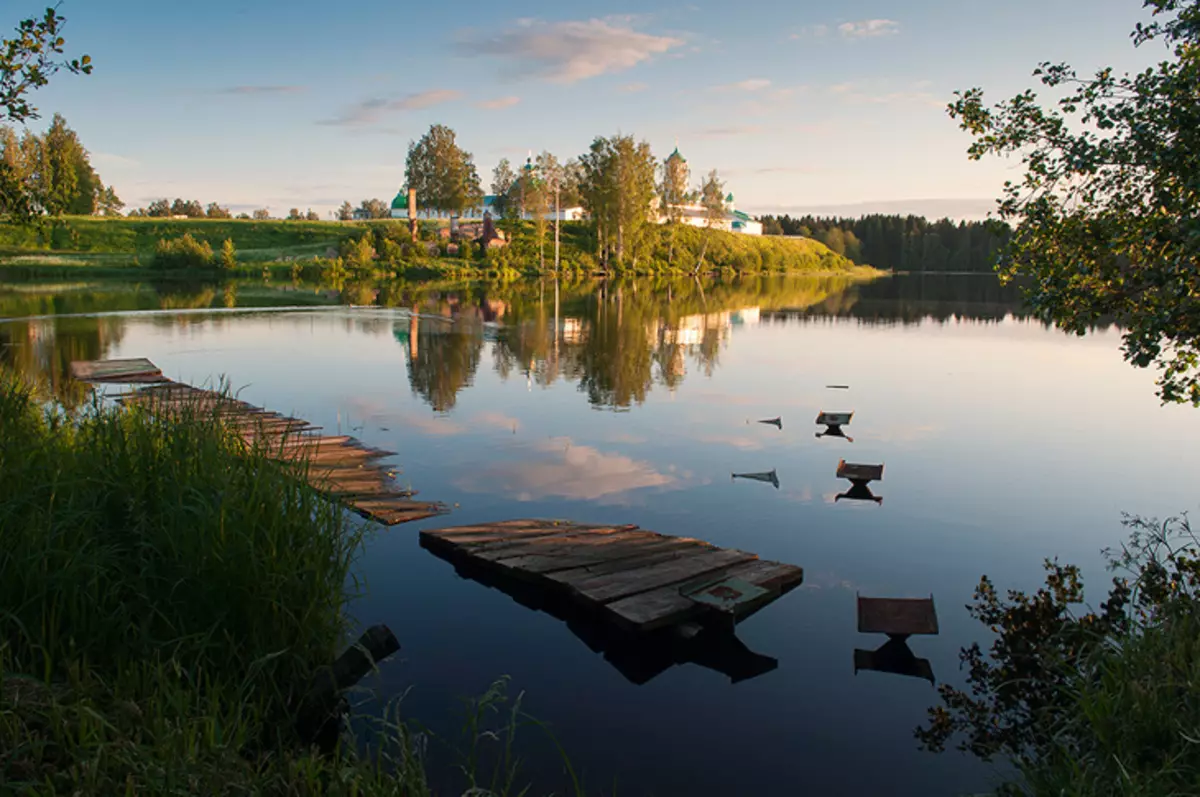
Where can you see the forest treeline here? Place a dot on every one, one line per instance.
(901, 243)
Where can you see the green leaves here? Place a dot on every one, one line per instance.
(28, 60)
(443, 173)
(1106, 223)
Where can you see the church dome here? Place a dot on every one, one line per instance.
(401, 200)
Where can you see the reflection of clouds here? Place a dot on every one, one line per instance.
(737, 441)
(802, 496)
(558, 468)
(377, 412)
(902, 434)
(497, 420)
(622, 437)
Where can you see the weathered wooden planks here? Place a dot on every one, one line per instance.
(897, 617)
(337, 465)
(632, 577)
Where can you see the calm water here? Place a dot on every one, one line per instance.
(1005, 442)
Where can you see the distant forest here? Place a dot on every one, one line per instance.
(901, 243)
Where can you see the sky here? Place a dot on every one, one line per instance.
(800, 106)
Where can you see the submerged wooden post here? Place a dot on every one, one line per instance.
(325, 692)
(412, 212)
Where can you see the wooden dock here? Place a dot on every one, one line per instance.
(647, 601)
(337, 465)
(637, 579)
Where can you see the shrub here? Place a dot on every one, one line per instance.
(228, 255)
(184, 252)
(466, 250)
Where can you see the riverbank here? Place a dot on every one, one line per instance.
(113, 246)
(169, 597)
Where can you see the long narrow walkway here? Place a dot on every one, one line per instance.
(337, 465)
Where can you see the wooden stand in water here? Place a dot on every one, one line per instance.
(635, 579)
(338, 466)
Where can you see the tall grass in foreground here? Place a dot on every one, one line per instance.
(165, 597)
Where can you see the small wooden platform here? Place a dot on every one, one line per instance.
(337, 465)
(859, 473)
(131, 371)
(637, 579)
(834, 418)
(899, 618)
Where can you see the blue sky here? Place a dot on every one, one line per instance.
(798, 104)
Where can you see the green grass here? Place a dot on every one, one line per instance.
(115, 243)
(165, 598)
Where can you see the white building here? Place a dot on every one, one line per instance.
(488, 205)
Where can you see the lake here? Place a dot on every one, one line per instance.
(1005, 441)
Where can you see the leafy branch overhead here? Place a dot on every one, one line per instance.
(1106, 221)
(29, 59)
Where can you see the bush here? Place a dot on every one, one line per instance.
(466, 250)
(228, 255)
(185, 252)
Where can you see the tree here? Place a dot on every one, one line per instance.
(215, 211)
(442, 173)
(376, 209)
(294, 215)
(243, 216)
(312, 215)
(109, 203)
(674, 189)
(712, 199)
(1105, 222)
(503, 180)
(617, 188)
(159, 208)
(262, 214)
(187, 207)
(228, 255)
(345, 212)
(27, 61)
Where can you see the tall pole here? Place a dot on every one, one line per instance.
(557, 221)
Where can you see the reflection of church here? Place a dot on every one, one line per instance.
(675, 338)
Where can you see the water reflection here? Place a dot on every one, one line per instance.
(894, 657)
(616, 340)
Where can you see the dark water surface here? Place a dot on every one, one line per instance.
(1005, 442)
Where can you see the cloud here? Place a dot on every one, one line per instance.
(377, 412)
(633, 88)
(566, 52)
(263, 90)
(497, 420)
(498, 103)
(743, 442)
(753, 84)
(730, 132)
(558, 468)
(868, 28)
(372, 110)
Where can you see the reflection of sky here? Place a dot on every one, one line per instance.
(1003, 444)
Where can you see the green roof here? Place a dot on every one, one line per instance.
(741, 215)
(401, 200)
(676, 154)
(729, 199)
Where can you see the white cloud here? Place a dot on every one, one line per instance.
(372, 110)
(558, 468)
(566, 52)
(633, 88)
(868, 28)
(498, 103)
(753, 84)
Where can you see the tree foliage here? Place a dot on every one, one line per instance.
(673, 192)
(53, 171)
(375, 209)
(215, 211)
(27, 61)
(443, 173)
(503, 180)
(345, 212)
(617, 187)
(1105, 216)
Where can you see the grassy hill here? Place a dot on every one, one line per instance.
(121, 243)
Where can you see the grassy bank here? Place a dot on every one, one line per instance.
(119, 244)
(167, 597)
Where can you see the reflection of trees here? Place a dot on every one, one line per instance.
(615, 357)
(442, 360)
(43, 350)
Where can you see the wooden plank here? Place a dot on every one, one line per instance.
(557, 544)
(605, 586)
(490, 528)
(667, 606)
(120, 371)
(897, 616)
(645, 555)
(612, 546)
(859, 472)
(470, 536)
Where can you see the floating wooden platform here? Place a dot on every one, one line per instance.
(336, 465)
(834, 418)
(646, 601)
(899, 618)
(131, 371)
(859, 473)
(637, 579)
